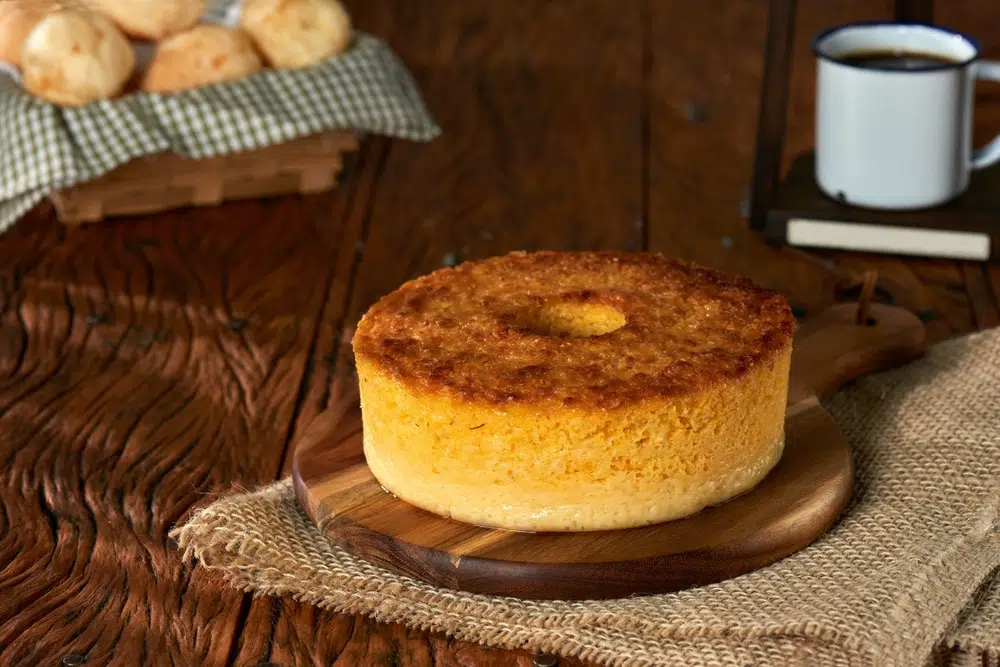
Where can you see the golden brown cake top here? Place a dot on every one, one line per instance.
(590, 329)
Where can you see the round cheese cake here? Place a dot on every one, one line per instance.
(573, 391)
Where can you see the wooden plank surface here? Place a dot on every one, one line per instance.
(703, 90)
(542, 143)
(147, 365)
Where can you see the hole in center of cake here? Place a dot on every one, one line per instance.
(577, 320)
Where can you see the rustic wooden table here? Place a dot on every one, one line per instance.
(150, 364)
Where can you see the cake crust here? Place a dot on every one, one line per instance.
(481, 331)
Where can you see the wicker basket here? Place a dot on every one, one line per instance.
(168, 181)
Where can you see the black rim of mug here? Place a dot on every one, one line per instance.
(819, 38)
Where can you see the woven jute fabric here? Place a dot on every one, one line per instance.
(45, 147)
(975, 639)
(904, 578)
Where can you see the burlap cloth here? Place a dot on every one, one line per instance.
(905, 578)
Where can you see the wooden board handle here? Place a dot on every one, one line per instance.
(833, 348)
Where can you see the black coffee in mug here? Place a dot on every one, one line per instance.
(895, 60)
(897, 139)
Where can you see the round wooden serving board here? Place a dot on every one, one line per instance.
(794, 505)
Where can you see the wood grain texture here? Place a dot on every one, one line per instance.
(914, 11)
(167, 181)
(542, 142)
(700, 163)
(772, 116)
(147, 367)
(797, 501)
(982, 299)
(306, 635)
(993, 279)
(285, 631)
(332, 337)
(932, 288)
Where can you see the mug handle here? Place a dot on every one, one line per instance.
(987, 70)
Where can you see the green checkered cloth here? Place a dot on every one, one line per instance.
(44, 147)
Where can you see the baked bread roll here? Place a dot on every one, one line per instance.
(573, 391)
(74, 57)
(204, 55)
(151, 19)
(297, 33)
(17, 19)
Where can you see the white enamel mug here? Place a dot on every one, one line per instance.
(897, 139)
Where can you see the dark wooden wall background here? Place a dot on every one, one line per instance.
(148, 365)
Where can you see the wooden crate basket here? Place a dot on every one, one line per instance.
(168, 181)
